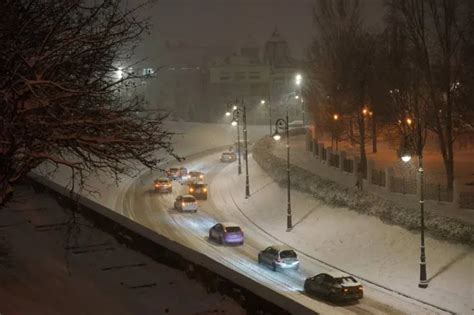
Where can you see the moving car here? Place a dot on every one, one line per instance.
(195, 176)
(186, 203)
(228, 157)
(335, 286)
(163, 185)
(198, 190)
(183, 173)
(226, 233)
(173, 173)
(279, 257)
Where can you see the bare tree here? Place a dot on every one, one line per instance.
(342, 55)
(61, 91)
(437, 32)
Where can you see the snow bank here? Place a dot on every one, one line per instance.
(332, 193)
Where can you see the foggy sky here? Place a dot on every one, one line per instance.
(230, 22)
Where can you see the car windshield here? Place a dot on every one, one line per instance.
(173, 170)
(162, 181)
(194, 173)
(345, 280)
(232, 229)
(287, 254)
(199, 185)
(189, 199)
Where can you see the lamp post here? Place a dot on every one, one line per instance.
(236, 122)
(406, 157)
(263, 102)
(283, 124)
(242, 111)
(299, 97)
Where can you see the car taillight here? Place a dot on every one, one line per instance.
(361, 288)
(345, 289)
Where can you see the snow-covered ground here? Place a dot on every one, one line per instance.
(362, 245)
(356, 243)
(93, 275)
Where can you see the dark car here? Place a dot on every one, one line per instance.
(228, 157)
(334, 286)
(194, 177)
(279, 257)
(226, 233)
(173, 173)
(198, 190)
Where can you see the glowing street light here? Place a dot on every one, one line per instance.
(234, 107)
(409, 121)
(234, 123)
(298, 79)
(262, 102)
(227, 113)
(406, 157)
(335, 117)
(276, 136)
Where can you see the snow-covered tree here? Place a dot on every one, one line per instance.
(61, 90)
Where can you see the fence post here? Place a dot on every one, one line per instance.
(308, 139)
(370, 167)
(456, 194)
(342, 158)
(329, 156)
(388, 178)
(321, 148)
(316, 147)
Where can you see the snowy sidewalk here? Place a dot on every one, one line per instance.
(43, 275)
(359, 244)
(306, 160)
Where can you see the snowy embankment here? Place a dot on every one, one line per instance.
(334, 194)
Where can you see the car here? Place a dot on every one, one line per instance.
(334, 286)
(173, 173)
(279, 257)
(228, 157)
(195, 176)
(198, 190)
(226, 233)
(186, 203)
(163, 185)
(183, 173)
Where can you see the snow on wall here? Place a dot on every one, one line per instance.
(363, 202)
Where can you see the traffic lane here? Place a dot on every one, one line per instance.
(255, 239)
(242, 259)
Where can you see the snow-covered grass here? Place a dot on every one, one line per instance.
(92, 274)
(357, 243)
(338, 195)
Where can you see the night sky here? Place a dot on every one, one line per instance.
(230, 22)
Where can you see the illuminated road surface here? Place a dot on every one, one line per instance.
(155, 211)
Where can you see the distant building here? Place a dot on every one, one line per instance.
(196, 82)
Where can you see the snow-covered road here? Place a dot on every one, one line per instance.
(140, 203)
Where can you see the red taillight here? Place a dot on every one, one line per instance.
(345, 290)
(361, 288)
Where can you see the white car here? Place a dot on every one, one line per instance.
(186, 203)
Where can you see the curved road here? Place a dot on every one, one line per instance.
(155, 211)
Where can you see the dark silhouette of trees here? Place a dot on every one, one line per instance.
(61, 91)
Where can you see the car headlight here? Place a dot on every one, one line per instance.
(191, 190)
(183, 204)
(201, 176)
(205, 189)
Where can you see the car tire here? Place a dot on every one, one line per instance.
(274, 267)
(195, 211)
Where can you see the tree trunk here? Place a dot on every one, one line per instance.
(363, 156)
(374, 135)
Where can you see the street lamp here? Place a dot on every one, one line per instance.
(406, 157)
(283, 124)
(237, 113)
(263, 102)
